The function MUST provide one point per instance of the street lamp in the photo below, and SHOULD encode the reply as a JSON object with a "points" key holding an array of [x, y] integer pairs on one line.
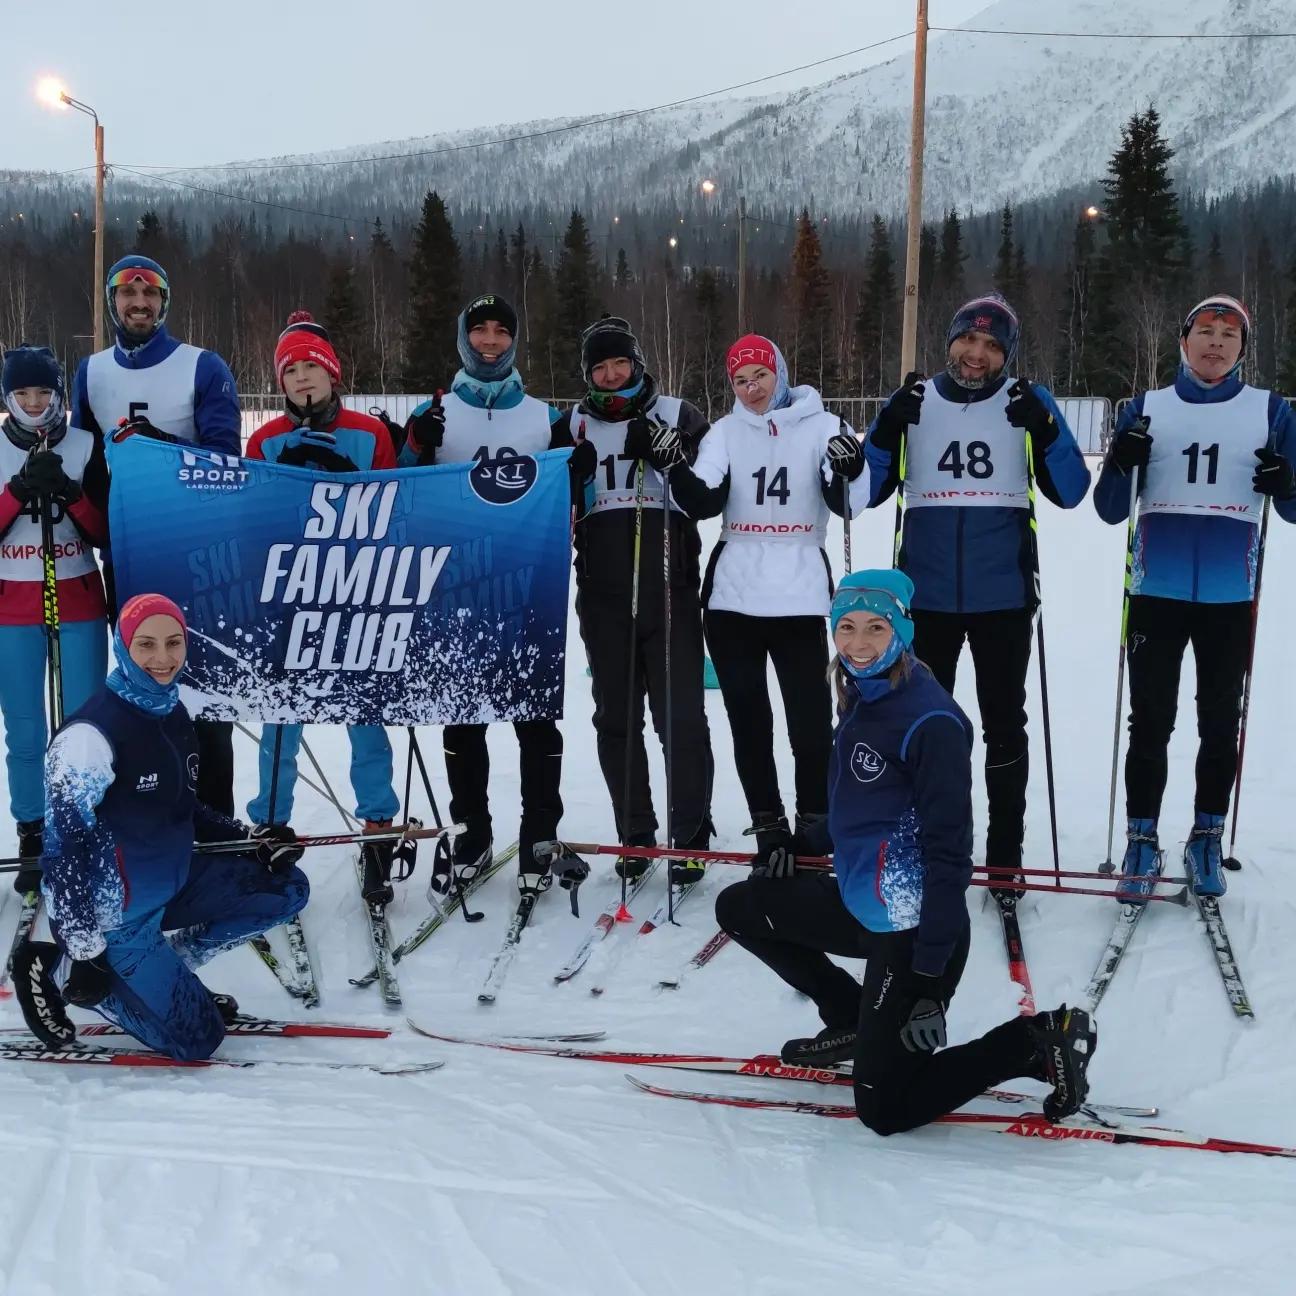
{"points": [[708, 188], [1093, 212], [52, 93]]}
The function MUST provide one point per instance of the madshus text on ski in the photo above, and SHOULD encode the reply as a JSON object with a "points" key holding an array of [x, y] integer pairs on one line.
{"points": [[126, 819]]}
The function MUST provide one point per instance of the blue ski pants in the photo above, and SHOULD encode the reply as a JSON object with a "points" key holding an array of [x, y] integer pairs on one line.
{"points": [[84, 646], [371, 773], [156, 996]]}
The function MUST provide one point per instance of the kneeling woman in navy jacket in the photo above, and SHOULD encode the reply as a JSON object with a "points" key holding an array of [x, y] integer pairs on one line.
{"points": [[134, 909], [900, 818]]}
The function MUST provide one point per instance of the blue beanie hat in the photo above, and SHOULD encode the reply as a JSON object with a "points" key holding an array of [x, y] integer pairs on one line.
{"points": [[31, 366], [885, 592], [989, 314]]}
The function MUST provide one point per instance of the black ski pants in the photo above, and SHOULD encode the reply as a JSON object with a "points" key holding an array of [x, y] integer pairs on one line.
{"points": [[467, 761], [741, 648], [606, 627], [216, 764], [1157, 633], [1001, 648], [793, 924]]}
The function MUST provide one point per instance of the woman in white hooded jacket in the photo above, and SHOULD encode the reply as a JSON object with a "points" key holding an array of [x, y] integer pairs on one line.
{"points": [[773, 468]]}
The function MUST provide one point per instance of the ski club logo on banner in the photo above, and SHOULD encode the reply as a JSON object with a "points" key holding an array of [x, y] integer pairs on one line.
{"points": [[505, 479], [866, 764], [400, 597]]}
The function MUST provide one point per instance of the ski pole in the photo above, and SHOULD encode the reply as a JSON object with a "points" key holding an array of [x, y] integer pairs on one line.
{"points": [[632, 678], [900, 501], [846, 510], [326, 792], [1043, 667], [50, 612], [1108, 865], [667, 737], [1232, 862]]}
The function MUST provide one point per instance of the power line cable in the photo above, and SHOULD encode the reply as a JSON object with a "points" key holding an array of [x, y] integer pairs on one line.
{"points": [[997, 31], [360, 221], [581, 124]]}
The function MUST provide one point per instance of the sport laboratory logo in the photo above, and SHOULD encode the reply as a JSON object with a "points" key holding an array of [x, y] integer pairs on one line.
{"points": [[208, 470], [505, 479], [866, 764]]}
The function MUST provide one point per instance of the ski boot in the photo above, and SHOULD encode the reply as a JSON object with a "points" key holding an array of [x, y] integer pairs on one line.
{"points": [[531, 882], [377, 860], [226, 1005], [832, 1045], [30, 845], [1007, 881], [1065, 1042], [39, 994], [633, 867], [1204, 855], [473, 852], [559, 863], [1143, 860], [686, 871]]}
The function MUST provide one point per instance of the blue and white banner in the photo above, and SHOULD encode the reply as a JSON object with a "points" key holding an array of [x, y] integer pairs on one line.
{"points": [[420, 596]]}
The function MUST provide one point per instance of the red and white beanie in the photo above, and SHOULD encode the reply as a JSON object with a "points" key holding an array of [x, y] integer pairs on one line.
{"points": [[303, 339], [751, 348]]}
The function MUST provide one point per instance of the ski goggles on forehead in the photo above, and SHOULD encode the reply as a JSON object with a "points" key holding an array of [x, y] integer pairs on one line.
{"points": [[880, 602], [137, 274], [1220, 315]]}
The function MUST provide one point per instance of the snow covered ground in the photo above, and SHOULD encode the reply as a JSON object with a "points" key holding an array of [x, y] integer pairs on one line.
{"points": [[507, 1174]]}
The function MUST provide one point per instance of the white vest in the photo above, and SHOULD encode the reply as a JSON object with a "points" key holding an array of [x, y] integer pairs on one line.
{"points": [[164, 392], [774, 481], [965, 454], [614, 480], [521, 430], [21, 555], [1203, 456]]}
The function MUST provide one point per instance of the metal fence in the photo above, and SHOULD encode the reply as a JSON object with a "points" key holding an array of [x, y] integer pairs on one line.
{"points": [[1089, 417]]}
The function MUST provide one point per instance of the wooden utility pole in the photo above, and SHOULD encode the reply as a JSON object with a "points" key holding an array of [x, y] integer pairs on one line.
{"points": [[98, 286], [909, 328], [742, 257]]}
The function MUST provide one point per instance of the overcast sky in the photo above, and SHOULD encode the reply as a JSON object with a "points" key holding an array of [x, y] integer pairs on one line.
{"points": [[181, 84]]}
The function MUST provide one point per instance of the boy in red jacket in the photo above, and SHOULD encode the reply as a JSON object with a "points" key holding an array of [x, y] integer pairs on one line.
{"points": [[316, 432]]}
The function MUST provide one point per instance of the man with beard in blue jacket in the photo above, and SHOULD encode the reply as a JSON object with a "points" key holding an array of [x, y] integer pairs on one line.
{"points": [[967, 449]]}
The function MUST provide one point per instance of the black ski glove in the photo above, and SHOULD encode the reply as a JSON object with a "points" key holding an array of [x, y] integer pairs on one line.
{"points": [[426, 430], [1133, 448], [277, 846], [90, 981], [310, 454], [924, 1028], [21, 489], [1026, 410], [583, 463], [1274, 476], [45, 475], [140, 426], [655, 442], [901, 411], [845, 456], [776, 853]]}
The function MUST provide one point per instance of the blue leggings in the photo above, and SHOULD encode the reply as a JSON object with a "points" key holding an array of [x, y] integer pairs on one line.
{"points": [[156, 997], [84, 646], [371, 773]]}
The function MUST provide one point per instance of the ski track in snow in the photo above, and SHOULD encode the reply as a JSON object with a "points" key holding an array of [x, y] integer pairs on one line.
{"points": [[511, 1174]]}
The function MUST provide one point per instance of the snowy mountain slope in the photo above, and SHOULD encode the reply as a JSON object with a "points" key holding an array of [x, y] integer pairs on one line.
{"points": [[505, 1174], [1008, 118]]}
